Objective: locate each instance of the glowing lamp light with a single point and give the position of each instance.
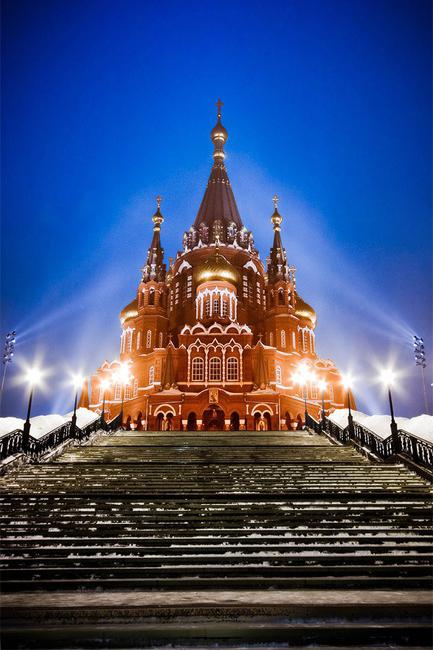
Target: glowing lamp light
(77, 381)
(322, 385)
(347, 380)
(105, 384)
(302, 375)
(387, 377)
(33, 376)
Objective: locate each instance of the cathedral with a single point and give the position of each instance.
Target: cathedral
(218, 340)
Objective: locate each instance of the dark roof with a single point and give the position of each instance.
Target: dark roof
(218, 200)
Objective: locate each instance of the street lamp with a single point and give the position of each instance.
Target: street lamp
(301, 377)
(419, 355)
(387, 377)
(33, 378)
(123, 377)
(347, 381)
(8, 353)
(105, 385)
(77, 383)
(322, 386)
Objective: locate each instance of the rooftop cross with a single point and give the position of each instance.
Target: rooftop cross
(158, 201)
(219, 104)
(275, 200)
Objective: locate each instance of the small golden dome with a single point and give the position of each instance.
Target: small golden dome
(305, 311)
(130, 311)
(216, 267)
(219, 133)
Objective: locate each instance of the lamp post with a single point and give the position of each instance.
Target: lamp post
(419, 355)
(33, 378)
(77, 382)
(347, 381)
(387, 377)
(301, 377)
(123, 376)
(8, 353)
(105, 385)
(322, 385)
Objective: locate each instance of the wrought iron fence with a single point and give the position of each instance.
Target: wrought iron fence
(12, 443)
(406, 444)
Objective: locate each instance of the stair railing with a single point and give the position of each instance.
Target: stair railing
(407, 445)
(11, 444)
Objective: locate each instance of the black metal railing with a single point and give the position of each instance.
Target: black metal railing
(419, 450)
(37, 448)
(406, 445)
(11, 444)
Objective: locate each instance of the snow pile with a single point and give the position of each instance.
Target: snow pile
(42, 424)
(10, 424)
(421, 426)
(84, 417)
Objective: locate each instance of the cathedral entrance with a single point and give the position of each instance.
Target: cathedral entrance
(213, 419)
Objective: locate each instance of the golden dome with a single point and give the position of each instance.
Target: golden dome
(219, 133)
(305, 311)
(130, 311)
(216, 267)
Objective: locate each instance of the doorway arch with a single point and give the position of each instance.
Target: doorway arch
(191, 424)
(234, 421)
(213, 418)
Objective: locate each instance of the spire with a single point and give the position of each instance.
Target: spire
(218, 204)
(154, 269)
(277, 261)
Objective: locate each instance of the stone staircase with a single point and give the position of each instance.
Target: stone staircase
(235, 540)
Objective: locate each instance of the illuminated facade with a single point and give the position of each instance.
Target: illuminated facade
(216, 341)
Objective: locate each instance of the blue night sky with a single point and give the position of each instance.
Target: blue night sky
(107, 103)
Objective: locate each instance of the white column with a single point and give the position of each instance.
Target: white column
(206, 354)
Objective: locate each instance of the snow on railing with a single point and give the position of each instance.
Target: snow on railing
(407, 444)
(40, 443)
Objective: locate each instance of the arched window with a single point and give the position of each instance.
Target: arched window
(149, 338)
(331, 392)
(278, 374)
(207, 307)
(225, 308)
(294, 340)
(161, 339)
(151, 375)
(152, 297)
(198, 369)
(283, 338)
(271, 339)
(128, 391)
(215, 369)
(216, 306)
(232, 369)
(313, 391)
(101, 393)
(138, 340)
(117, 393)
(281, 297)
(135, 390)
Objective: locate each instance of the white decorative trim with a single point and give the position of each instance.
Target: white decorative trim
(265, 408)
(168, 407)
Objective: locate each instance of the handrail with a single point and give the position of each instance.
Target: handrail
(37, 447)
(11, 443)
(407, 444)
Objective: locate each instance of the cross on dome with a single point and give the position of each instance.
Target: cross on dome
(219, 104)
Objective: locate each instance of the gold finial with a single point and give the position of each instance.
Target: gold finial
(219, 104)
(276, 217)
(157, 217)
